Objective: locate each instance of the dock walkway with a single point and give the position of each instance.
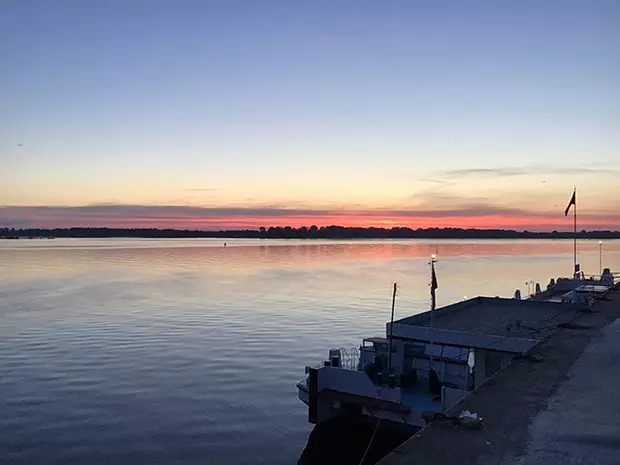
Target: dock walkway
(561, 410)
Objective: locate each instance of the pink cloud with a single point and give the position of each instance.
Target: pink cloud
(186, 217)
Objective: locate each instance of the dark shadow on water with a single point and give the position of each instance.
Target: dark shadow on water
(343, 441)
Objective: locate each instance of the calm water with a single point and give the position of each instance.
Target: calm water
(183, 351)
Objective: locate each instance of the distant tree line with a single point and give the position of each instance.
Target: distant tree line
(312, 232)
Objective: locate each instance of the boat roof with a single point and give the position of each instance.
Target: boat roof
(592, 288)
(487, 322)
(566, 285)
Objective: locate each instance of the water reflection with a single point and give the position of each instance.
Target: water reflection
(173, 351)
(246, 256)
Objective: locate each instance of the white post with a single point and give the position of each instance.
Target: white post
(600, 258)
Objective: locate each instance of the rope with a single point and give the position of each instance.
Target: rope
(374, 433)
(370, 442)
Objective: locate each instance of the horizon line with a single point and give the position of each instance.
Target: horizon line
(304, 229)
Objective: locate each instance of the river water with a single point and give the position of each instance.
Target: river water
(187, 352)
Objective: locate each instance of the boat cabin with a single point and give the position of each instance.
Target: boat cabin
(427, 363)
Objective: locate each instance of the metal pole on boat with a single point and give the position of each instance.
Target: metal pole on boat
(391, 329)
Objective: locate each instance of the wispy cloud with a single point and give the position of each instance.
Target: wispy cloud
(437, 181)
(526, 170)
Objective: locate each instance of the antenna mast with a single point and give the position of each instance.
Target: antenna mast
(392, 328)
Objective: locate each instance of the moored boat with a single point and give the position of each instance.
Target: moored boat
(428, 362)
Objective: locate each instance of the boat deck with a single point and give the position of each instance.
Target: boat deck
(496, 316)
(420, 401)
(535, 412)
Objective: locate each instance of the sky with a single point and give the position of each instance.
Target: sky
(227, 114)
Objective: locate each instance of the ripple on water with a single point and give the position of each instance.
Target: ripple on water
(135, 354)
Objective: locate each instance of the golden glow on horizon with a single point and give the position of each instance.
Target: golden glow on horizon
(186, 221)
(475, 199)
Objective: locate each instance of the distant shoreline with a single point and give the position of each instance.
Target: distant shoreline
(313, 232)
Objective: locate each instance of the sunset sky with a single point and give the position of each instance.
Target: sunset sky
(226, 114)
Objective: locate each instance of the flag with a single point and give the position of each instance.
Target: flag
(433, 281)
(573, 201)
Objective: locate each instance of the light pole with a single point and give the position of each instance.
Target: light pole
(433, 304)
(433, 282)
(600, 257)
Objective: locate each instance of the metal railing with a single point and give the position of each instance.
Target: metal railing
(349, 358)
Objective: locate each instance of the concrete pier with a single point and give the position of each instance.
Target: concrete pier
(561, 408)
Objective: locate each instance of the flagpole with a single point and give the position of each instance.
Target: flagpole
(575, 234)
